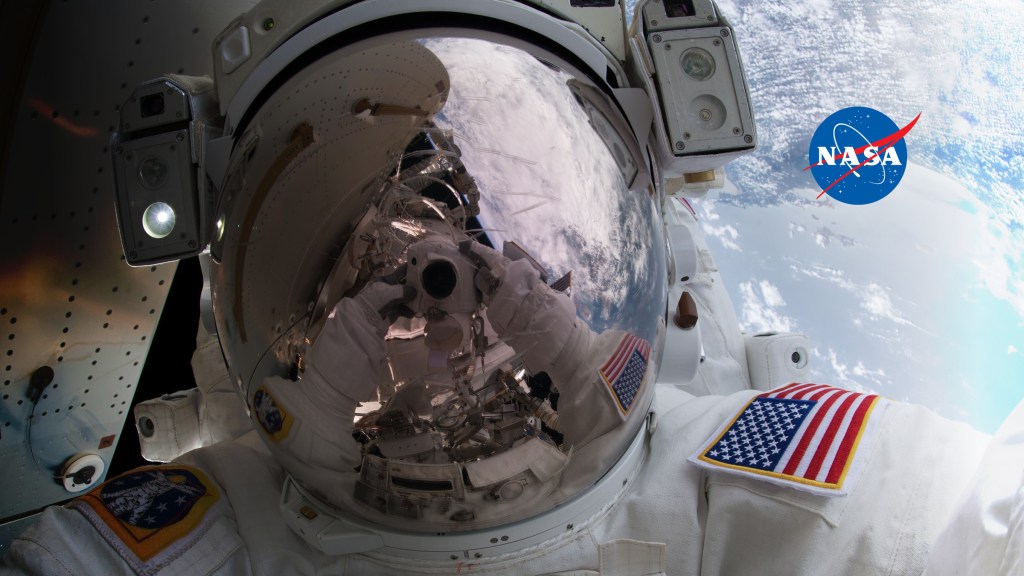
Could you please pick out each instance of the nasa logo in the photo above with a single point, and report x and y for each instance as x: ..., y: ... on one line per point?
x: 863, y: 143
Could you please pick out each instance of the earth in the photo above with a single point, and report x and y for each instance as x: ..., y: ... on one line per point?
x: 919, y: 296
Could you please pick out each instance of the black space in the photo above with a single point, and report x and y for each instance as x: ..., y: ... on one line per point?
x: 168, y: 366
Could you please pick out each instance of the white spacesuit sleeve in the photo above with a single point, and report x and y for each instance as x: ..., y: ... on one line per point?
x: 986, y: 532
x: 309, y: 422
x: 541, y: 325
x: 221, y: 410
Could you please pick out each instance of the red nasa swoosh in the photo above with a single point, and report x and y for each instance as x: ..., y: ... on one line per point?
x: 882, y: 145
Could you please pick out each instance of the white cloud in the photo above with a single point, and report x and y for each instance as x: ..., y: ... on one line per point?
x: 874, y: 298
x: 852, y: 378
x: 878, y: 377
x: 878, y: 304
x: 760, y: 309
x: 772, y: 296
x: 1011, y: 349
x: 1001, y: 263
x: 726, y: 235
x: 795, y: 229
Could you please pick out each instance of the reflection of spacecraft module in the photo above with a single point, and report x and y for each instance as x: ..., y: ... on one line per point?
x: 474, y: 451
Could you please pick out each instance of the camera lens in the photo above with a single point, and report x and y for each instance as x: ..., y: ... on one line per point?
x: 152, y: 105
x: 439, y: 279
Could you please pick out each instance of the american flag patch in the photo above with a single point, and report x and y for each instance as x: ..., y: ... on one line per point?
x: 801, y: 435
x: 624, y: 371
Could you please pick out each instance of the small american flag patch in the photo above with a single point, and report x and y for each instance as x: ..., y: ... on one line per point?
x: 623, y: 372
x: 802, y: 435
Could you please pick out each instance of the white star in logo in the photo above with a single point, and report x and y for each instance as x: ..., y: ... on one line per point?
x: 180, y: 500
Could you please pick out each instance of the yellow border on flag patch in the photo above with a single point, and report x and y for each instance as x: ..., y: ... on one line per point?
x: 779, y: 475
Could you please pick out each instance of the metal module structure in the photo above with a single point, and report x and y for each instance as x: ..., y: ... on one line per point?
x: 77, y: 321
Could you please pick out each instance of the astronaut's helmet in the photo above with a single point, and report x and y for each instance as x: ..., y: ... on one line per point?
x: 394, y: 159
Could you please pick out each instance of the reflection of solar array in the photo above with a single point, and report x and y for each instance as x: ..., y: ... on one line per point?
x: 563, y: 284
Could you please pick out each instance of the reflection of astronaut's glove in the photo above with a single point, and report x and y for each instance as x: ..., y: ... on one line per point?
x: 538, y: 322
x: 491, y: 267
x: 541, y: 325
x: 511, y: 290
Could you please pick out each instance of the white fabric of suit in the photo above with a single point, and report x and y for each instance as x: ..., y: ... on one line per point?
x: 710, y: 523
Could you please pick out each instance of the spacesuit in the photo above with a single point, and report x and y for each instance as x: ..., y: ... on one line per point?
x: 441, y: 284
x: 673, y: 517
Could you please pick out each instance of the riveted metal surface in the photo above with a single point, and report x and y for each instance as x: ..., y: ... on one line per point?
x: 67, y: 298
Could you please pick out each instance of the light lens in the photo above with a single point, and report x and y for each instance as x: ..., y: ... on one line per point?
x: 158, y: 220
x: 698, y: 64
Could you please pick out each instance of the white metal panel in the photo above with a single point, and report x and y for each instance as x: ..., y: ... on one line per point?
x: 67, y: 298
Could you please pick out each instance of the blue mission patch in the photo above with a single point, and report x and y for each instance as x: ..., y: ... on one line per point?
x: 273, y: 418
x: 152, y: 498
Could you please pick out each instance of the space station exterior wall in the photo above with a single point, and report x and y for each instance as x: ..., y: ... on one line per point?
x: 68, y: 300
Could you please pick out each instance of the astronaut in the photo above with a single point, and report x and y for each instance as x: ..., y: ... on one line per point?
x: 664, y: 514
x: 441, y: 282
